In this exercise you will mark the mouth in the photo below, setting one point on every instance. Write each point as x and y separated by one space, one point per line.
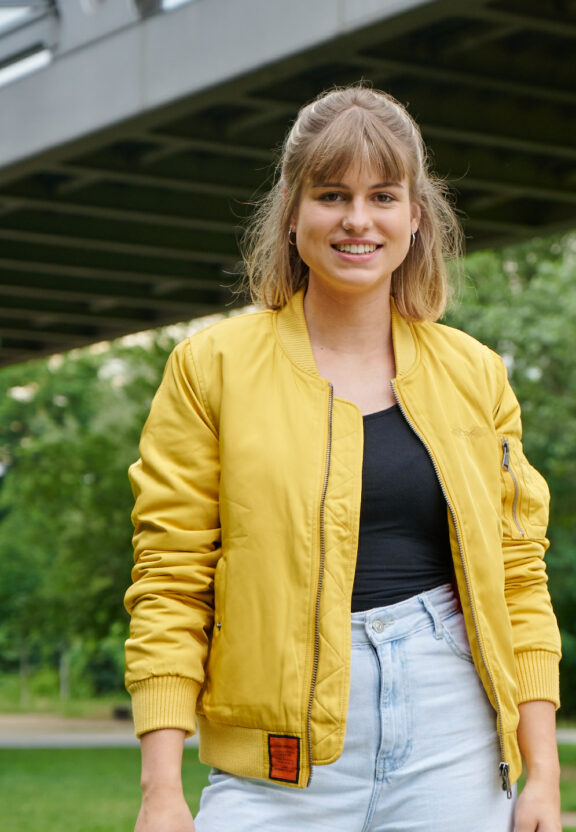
356 248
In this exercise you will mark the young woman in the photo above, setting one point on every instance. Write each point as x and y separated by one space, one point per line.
339 542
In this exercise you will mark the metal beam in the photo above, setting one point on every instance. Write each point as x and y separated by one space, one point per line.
40 319
10 204
30 334
83 272
560 27
171 144
497 140
18 355
508 190
498 226
96 174
93 299
86 244
469 43
459 78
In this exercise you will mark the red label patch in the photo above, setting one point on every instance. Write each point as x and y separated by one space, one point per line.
284 758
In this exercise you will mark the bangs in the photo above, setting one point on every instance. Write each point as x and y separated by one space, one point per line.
356 137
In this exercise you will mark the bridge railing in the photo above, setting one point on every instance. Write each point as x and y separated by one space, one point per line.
33 33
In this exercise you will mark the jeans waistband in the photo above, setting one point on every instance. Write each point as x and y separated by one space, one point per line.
425 610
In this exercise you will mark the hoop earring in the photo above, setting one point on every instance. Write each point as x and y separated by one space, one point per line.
413 239
291 242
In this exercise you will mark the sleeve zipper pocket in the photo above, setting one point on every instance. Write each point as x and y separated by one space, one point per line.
507 467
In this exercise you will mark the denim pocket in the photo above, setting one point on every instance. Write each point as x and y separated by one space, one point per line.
456 637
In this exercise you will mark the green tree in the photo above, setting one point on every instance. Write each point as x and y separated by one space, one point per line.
521 301
69 429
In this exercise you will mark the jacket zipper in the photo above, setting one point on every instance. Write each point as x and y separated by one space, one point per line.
504 767
320 582
507 467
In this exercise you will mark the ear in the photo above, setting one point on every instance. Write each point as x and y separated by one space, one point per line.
416 216
293 219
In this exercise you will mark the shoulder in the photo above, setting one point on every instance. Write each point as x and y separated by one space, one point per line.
465 357
206 363
447 340
231 336
442 333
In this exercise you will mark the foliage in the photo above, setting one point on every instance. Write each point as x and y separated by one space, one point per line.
521 301
69 429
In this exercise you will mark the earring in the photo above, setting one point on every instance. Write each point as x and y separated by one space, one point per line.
291 242
413 239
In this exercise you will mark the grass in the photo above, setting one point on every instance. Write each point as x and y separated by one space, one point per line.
96 790
568 782
79 790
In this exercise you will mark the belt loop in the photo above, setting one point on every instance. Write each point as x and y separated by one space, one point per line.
433 613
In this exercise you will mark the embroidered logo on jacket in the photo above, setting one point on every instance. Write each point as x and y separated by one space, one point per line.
284 757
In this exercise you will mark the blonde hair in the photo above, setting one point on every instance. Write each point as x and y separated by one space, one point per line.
342 127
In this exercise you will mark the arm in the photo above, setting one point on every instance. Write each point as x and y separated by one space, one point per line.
176 551
524 516
525 500
164 808
538 807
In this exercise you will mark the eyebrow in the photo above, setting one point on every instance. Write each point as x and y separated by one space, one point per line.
372 187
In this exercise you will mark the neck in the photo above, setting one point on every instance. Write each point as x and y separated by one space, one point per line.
348 323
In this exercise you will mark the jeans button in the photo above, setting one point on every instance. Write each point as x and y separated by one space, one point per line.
378 626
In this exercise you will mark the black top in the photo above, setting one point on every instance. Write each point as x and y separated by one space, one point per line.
403 548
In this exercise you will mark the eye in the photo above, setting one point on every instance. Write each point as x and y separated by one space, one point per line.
384 198
330 196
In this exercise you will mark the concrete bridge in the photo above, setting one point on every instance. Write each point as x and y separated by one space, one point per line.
134 133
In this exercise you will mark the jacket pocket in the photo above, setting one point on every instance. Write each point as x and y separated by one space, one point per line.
219 592
525 495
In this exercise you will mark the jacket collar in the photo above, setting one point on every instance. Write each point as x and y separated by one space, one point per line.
404 341
293 335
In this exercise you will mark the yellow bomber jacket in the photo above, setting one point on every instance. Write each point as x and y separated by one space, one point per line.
246 526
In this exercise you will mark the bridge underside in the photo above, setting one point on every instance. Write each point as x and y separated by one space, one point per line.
130 219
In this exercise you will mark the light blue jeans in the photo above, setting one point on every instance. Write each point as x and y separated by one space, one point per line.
421 750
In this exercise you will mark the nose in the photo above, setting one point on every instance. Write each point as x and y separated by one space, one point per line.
357 217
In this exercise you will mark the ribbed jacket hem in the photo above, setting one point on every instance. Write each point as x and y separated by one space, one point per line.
538 676
164 702
245 752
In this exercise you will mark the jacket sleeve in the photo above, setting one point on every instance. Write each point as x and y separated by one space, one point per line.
525 501
176 549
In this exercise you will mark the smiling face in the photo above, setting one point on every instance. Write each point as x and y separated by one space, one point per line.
354 230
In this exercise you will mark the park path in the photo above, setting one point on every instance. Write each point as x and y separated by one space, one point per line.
47 731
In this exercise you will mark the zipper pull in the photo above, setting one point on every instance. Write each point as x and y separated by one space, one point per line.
505 775
506 456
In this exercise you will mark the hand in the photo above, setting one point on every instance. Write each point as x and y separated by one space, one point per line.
164 808
538 808
168 813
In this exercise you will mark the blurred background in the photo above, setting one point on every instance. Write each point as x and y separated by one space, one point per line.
135 136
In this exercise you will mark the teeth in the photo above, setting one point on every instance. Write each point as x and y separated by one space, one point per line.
352 248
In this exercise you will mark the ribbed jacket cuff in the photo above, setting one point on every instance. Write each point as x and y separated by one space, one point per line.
538 676
164 702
